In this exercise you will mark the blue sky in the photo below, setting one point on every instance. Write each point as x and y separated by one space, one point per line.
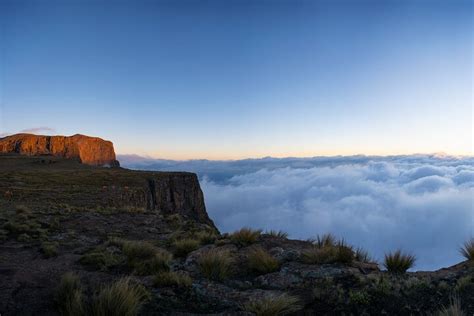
235 79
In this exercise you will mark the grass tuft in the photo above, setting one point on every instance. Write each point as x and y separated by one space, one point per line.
99 259
172 279
120 298
454 309
277 233
69 295
274 305
182 247
467 250
49 249
245 236
262 262
362 255
158 263
215 264
206 237
329 252
398 262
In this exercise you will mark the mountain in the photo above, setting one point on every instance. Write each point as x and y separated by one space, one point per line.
88 150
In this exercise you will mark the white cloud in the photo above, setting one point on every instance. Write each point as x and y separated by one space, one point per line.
381 206
420 203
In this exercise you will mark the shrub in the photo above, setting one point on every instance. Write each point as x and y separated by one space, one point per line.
215 264
49 249
398 262
274 305
69 295
277 233
467 250
99 259
245 236
262 262
454 309
172 279
183 247
120 298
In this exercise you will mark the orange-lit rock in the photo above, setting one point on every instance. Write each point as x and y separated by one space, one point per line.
89 150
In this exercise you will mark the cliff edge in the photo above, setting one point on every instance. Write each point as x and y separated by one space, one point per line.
88 150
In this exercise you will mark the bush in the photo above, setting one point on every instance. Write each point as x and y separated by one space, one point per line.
467 250
69 295
99 259
245 236
120 298
262 262
183 247
277 233
215 264
274 305
49 249
398 262
172 279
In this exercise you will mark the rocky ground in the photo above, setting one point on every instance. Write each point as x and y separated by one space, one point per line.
62 221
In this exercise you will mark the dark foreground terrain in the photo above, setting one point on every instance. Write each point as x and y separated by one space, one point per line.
82 240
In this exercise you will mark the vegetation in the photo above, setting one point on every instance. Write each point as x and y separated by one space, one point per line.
328 252
169 278
326 240
362 255
215 264
99 259
454 309
398 262
262 262
120 298
277 233
206 237
49 249
245 236
69 296
274 305
183 247
467 250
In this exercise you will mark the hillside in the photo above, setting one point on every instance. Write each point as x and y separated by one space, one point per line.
70 231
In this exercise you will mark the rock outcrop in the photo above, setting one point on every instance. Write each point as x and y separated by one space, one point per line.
89 150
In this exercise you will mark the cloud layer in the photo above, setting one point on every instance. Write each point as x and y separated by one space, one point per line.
423 204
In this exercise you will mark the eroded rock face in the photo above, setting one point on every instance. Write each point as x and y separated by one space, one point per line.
88 150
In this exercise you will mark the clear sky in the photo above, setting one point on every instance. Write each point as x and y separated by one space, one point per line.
235 79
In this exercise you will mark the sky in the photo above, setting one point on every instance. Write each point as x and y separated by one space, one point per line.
237 79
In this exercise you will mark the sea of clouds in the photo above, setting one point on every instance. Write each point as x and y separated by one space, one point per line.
423 204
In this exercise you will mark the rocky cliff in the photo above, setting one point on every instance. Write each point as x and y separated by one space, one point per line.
88 150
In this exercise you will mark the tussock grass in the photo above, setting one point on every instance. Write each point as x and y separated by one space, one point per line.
143 257
169 278
49 249
326 240
69 296
398 262
467 250
329 252
159 262
182 247
120 298
277 233
138 250
206 237
262 262
274 305
99 259
362 255
245 236
215 264
454 309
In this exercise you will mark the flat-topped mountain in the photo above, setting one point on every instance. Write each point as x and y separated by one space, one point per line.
88 150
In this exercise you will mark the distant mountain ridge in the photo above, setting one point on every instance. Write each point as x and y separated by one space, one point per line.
88 150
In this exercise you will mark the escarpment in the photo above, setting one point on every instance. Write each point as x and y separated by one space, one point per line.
88 150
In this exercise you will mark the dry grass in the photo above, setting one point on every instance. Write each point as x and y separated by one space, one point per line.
277 233
326 240
49 249
467 250
182 247
138 250
69 296
245 236
274 305
454 309
158 263
398 262
262 262
362 255
339 252
206 237
120 298
172 279
215 264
